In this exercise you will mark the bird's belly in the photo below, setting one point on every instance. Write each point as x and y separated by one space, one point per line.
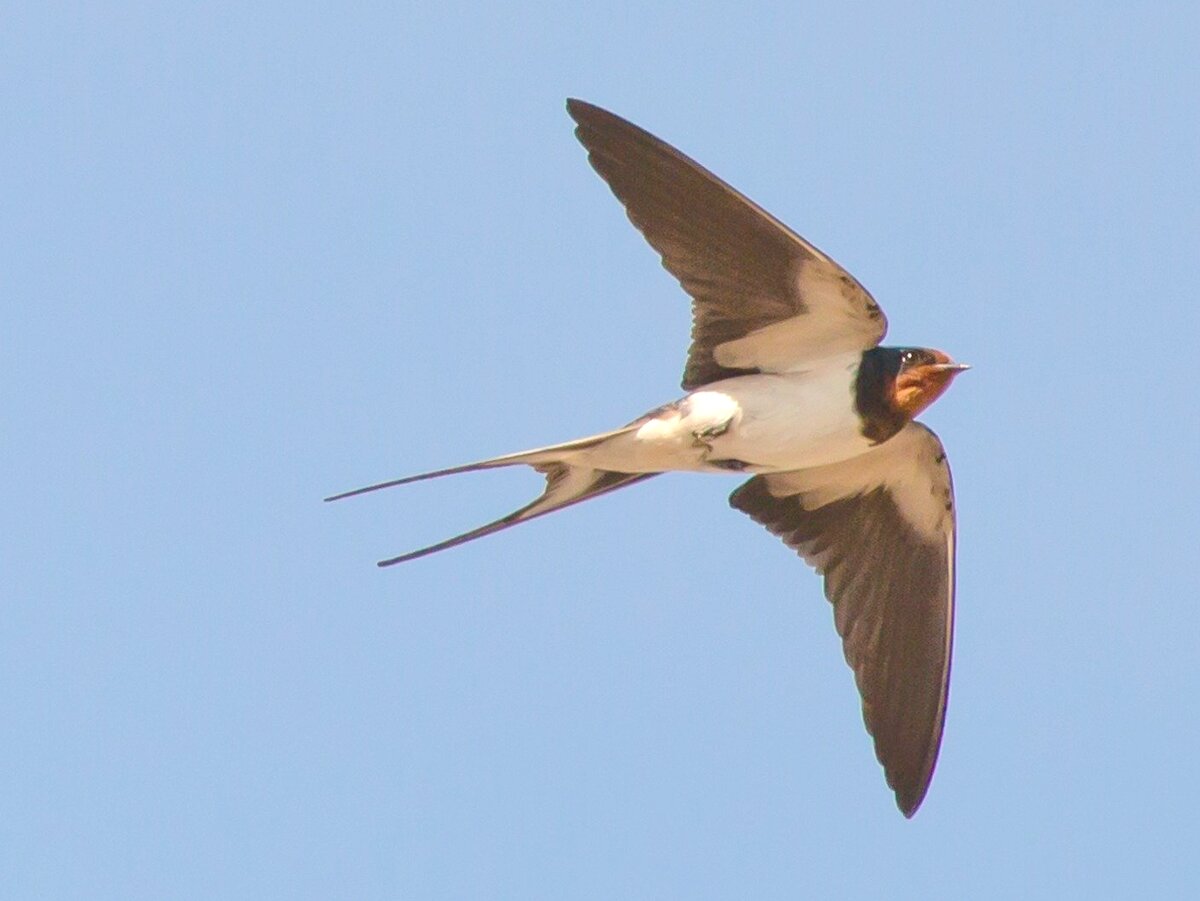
782 443
759 423
675 437
789 422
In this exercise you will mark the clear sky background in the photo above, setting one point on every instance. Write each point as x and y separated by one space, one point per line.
253 254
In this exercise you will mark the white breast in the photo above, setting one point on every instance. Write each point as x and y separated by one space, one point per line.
794 420
770 422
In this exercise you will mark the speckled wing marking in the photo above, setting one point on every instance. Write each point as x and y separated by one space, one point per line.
764 299
880 528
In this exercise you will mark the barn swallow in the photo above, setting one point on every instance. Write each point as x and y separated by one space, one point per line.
785 381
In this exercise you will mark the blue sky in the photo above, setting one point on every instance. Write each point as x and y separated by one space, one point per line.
253 256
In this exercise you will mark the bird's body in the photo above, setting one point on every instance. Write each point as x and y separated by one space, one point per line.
785 381
765 422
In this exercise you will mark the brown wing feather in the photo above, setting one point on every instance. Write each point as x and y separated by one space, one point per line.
744 269
891 583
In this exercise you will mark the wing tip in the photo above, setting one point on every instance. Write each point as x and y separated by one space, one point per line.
909 800
577 108
910 792
590 118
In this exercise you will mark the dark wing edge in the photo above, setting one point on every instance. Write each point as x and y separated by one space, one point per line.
882 532
744 269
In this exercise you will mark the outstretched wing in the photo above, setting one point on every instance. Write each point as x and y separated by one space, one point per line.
764 299
880 528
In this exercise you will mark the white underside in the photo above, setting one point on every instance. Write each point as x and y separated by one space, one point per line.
770 422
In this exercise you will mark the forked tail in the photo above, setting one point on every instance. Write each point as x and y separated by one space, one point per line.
566 484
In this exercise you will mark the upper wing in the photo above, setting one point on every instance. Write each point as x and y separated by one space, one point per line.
764 298
881 529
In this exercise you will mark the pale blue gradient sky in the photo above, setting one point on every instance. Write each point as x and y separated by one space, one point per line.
253 256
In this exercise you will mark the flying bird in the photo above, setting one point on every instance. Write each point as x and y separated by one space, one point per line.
785 381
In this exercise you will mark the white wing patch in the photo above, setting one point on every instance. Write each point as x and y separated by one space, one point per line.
911 467
837 319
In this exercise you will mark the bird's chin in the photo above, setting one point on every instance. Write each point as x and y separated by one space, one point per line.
918 388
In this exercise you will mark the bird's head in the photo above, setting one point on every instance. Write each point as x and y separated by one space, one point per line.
923 375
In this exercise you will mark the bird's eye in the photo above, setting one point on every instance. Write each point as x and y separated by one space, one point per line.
909 357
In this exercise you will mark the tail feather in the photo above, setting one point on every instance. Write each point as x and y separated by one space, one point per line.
552 453
453 470
566 484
